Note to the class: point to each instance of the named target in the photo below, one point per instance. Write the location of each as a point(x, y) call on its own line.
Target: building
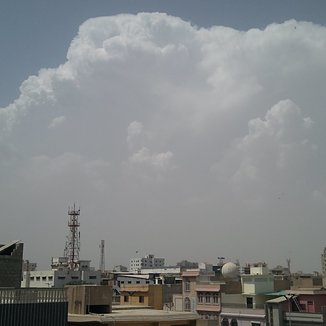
point(208, 301)
point(162, 275)
point(297, 308)
point(149, 295)
point(33, 307)
point(191, 279)
point(11, 262)
point(306, 281)
point(149, 261)
point(89, 299)
point(60, 275)
point(323, 262)
point(157, 296)
point(247, 307)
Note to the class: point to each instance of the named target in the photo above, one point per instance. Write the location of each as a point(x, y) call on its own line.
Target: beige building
point(306, 281)
point(148, 295)
point(89, 299)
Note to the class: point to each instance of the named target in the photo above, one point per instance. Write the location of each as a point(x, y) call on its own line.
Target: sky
point(187, 129)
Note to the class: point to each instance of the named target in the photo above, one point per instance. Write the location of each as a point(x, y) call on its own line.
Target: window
point(125, 298)
point(50, 278)
point(141, 299)
point(215, 297)
point(255, 323)
point(61, 277)
point(187, 304)
point(187, 285)
point(37, 278)
point(74, 277)
point(92, 277)
point(207, 298)
point(137, 282)
point(129, 282)
point(43, 278)
point(250, 304)
point(234, 322)
point(200, 297)
point(225, 322)
point(32, 278)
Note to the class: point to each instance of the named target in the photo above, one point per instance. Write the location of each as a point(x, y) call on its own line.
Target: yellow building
point(148, 295)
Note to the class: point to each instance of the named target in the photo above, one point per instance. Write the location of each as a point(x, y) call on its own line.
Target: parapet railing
point(32, 295)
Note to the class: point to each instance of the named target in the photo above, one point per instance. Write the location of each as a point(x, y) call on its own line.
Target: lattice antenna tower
point(72, 247)
point(102, 257)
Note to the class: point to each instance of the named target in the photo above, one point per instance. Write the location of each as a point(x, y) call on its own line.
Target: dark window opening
point(98, 309)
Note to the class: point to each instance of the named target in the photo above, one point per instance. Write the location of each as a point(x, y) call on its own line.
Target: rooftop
point(135, 315)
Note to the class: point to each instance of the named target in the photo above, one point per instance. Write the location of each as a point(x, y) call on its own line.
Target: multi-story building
point(323, 262)
point(157, 296)
point(246, 307)
point(191, 279)
point(11, 262)
point(149, 261)
point(60, 275)
point(150, 295)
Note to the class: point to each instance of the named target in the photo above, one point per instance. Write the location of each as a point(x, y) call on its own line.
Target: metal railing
point(32, 295)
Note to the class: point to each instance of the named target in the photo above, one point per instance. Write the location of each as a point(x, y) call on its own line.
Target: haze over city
point(186, 129)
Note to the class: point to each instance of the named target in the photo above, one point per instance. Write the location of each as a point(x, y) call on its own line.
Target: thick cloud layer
point(185, 142)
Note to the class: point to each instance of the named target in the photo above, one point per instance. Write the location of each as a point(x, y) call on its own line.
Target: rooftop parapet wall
point(32, 295)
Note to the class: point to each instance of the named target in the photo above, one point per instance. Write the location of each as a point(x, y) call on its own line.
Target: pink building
point(302, 306)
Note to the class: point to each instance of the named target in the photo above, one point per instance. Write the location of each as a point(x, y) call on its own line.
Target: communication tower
point(72, 247)
point(102, 257)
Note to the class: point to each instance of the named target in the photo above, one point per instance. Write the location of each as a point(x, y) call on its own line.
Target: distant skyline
point(186, 129)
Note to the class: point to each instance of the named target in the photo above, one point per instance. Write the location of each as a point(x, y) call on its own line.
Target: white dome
point(230, 270)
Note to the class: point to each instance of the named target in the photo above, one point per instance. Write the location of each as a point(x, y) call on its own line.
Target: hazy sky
point(186, 129)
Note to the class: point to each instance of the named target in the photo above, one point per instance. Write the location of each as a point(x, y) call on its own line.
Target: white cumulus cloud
point(230, 123)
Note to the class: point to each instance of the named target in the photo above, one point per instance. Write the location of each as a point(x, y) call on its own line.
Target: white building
point(149, 261)
point(60, 275)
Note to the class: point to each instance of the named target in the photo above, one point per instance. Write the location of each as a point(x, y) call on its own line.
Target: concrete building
point(208, 301)
point(148, 295)
point(60, 275)
point(11, 262)
point(306, 281)
point(149, 261)
point(323, 262)
point(187, 301)
point(157, 296)
point(168, 274)
point(89, 299)
point(297, 308)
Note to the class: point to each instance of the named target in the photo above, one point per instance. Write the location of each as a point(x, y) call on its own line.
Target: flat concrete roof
point(134, 315)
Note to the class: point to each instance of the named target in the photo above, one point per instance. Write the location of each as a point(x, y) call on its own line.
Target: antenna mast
point(102, 257)
point(73, 239)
